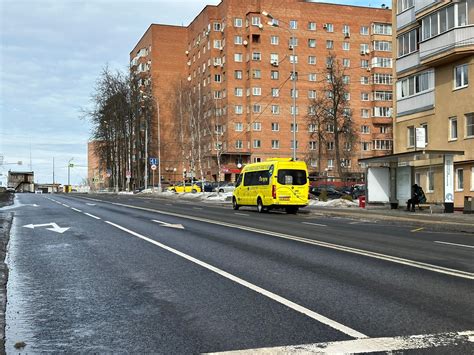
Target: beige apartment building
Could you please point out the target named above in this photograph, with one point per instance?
(434, 90)
(234, 69)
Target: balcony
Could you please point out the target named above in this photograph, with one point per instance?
(405, 18)
(407, 62)
(454, 42)
(381, 120)
(421, 5)
(417, 103)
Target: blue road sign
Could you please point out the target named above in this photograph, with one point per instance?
(153, 161)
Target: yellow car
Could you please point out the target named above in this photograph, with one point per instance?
(188, 187)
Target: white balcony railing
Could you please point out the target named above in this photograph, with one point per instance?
(416, 103)
(421, 4)
(455, 38)
(408, 62)
(405, 18)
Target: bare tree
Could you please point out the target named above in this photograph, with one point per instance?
(331, 118)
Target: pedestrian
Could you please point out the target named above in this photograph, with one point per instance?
(417, 197)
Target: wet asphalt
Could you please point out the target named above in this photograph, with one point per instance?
(99, 288)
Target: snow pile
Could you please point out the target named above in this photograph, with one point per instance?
(337, 203)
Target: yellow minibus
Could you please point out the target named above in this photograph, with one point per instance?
(275, 183)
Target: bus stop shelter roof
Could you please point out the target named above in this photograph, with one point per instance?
(408, 158)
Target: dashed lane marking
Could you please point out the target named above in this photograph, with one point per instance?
(75, 209)
(91, 215)
(459, 245)
(315, 224)
(241, 214)
(316, 316)
(417, 229)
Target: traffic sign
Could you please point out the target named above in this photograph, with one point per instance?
(153, 167)
(153, 161)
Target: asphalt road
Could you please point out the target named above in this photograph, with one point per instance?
(125, 277)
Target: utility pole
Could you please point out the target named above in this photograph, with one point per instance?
(52, 190)
(146, 153)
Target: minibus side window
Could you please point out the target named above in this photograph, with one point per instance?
(247, 179)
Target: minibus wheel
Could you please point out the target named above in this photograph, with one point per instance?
(260, 207)
(235, 205)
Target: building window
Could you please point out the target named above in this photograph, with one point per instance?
(365, 146)
(382, 29)
(364, 30)
(256, 74)
(453, 128)
(239, 127)
(311, 43)
(239, 92)
(365, 113)
(237, 39)
(384, 79)
(274, 75)
(293, 93)
(403, 5)
(445, 19)
(312, 77)
(346, 62)
(430, 182)
(313, 145)
(415, 84)
(311, 94)
(425, 127)
(257, 126)
(407, 43)
(291, 127)
(469, 125)
(382, 46)
(238, 57)
(410, 137)
(364, 129)
(364, 63)
(275, 109)
(238, 109)
(293, 24)
(364, 96)
(312, 26)
(293, 59)
(238, 22)
(293, 110)
(330, 145)
(275, 92)
(381, 62)
(383, 95)
(256, 91)
(461, 79)
(329, 44)
(329, 27)
(275, 126)
(255, 21)
(257, 143)
(346, 46)
(459, 179)
(292, 145)
(256, 56)
(312, 59)
(274, 40)
(275, 144)
(346, 79)
(238, 144)
(217, 26)
(364, 80)
(238, 74)
(382, 144)
(256, 108)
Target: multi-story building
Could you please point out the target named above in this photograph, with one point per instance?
(434, 91)
(235, 63)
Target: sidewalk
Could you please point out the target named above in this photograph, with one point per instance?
(450, 222)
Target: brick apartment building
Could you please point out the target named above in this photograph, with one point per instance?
(238, 69)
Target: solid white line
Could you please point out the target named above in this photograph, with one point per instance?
(369, 345)
(75, 209)
(315, 224)
(240, 214)
(394, 259)
(459, 245)
(91, 215)
(316, 316)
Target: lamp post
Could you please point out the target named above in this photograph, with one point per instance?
(273, 23)
(69, 171)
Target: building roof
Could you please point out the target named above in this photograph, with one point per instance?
(411, 157)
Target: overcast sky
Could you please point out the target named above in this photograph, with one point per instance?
(51, 54)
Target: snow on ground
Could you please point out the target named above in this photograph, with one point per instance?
(227, 197)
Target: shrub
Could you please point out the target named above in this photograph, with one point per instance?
(323, 196)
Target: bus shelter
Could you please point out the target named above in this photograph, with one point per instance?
(390, 177)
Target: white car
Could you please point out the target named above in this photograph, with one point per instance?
(227, 187)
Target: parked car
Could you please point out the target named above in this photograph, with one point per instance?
(188, 187)
(332, 193)
(226, 187)
(207, 186)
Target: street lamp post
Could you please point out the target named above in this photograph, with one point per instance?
(69, 172)
(293, 77)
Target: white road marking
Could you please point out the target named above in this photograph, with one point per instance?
(169, 225)
(394, 259)
(65, 205)
(315, 224)
(369, 345)
(168, 204)
(75, 209)
(90, 204)
(316, 316)
(459, 245)
(91, 215)
(240, 214)
(55, 227)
